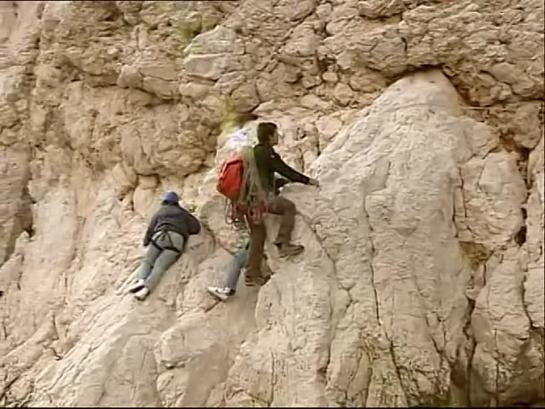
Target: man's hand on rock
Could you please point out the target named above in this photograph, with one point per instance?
(313, 182)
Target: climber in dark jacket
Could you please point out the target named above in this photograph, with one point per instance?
(167, 232)
(239, 262)
(268, 162)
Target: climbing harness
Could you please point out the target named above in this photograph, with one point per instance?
(160, 234)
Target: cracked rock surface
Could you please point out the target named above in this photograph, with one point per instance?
(422, 280)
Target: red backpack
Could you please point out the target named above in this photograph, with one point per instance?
(231, 177)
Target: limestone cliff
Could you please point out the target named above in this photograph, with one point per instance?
(422, 282)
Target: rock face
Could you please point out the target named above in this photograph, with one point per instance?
(422, 281)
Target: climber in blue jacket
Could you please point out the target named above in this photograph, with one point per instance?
(167, 233)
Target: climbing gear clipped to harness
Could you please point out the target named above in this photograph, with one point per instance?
(235, 215)
(239, 215)
(255, 212)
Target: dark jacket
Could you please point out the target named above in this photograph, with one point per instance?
(268, 162)
(279, 183)
(172, 217)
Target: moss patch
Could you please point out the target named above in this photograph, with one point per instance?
(230, 117)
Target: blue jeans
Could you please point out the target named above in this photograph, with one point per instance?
(158, 260)
(235, 267)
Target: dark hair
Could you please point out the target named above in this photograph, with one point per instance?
(264, 131)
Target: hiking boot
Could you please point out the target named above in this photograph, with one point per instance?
(222, 293)
(142, 294)
(137, 285)
(289, 250)
(253, 280)
(266, 272)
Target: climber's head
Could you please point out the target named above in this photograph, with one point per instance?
(267, 133)
(170, 198)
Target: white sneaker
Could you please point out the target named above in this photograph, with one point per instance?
(137, 285)
(142, 294)
(221, 293)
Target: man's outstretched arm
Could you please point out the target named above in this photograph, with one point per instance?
(280, 167)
